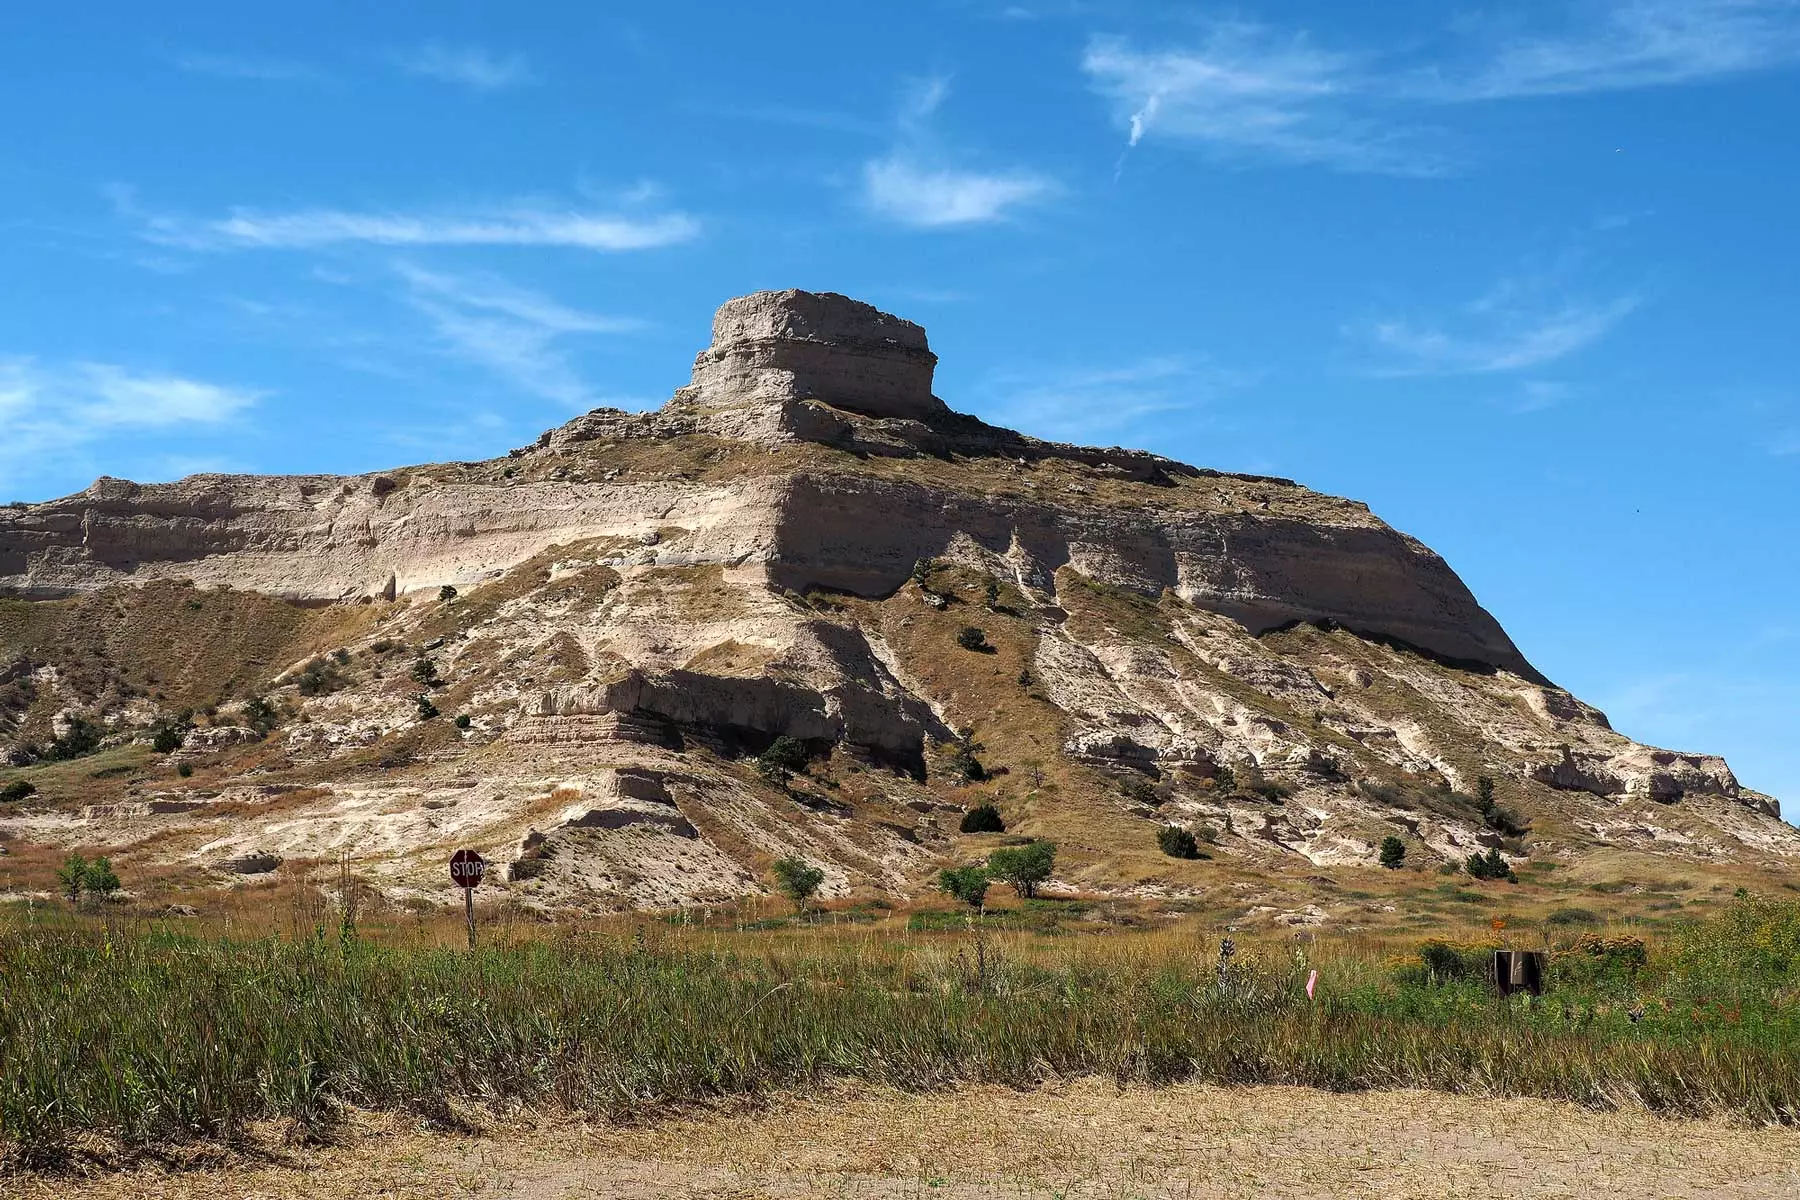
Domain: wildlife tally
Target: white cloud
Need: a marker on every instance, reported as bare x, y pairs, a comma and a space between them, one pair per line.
48, 412
522, 225
1084, 404
1499, 333
1640, 43
938, 197
513, 332
1253, 90
469, 66
1249, 91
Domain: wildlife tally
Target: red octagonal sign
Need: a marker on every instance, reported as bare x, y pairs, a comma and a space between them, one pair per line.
467, 868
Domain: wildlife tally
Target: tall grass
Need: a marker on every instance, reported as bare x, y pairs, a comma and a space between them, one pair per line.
147, 1036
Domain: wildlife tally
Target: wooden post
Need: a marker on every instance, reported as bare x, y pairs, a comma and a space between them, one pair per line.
469, 907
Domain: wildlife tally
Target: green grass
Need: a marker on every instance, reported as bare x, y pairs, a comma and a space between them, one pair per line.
146, 1036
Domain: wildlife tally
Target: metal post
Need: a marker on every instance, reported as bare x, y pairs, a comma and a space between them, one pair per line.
469, 906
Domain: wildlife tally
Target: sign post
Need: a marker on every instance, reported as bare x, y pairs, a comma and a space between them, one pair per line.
466, 870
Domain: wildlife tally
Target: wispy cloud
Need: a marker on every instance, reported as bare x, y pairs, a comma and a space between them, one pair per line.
1513, 328
1086, 403
468, 66
513, 332
1250, 91
916, 184
48, 411
1638, 44
264, 70
521, 225
1256, 91
924, 197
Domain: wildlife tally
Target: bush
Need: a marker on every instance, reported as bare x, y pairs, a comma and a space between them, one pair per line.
1573, 916
1393, 852
427, 710
319, 677
1491, 865
971, 638
167, 739
1022, 868
1139, 792
71, 876
983, 818
184, 769
1224, 778
260, 715
446, 593
967, 884
1177, 842
424, 670
784, 753
17, 790
1446, 962
463, 721
990, 591
81, 736
798, 879
100, 879
965, 764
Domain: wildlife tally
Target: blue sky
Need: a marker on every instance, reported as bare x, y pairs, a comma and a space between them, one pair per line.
1523, 277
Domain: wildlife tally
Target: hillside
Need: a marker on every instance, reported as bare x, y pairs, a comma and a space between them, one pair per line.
612, 623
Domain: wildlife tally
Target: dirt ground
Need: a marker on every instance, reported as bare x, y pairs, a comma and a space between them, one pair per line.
1087, 1140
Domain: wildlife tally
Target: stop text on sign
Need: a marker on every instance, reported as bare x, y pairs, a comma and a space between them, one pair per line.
466, 868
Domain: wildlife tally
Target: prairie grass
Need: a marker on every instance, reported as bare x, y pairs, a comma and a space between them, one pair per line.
144, 1035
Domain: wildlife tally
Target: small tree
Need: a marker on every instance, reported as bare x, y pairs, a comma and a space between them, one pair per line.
17, 790
983, 818
1492, 865
967, 884
446, 593
964, 763
971, 638
1022, 868
1393, 852
787, 753
1224, 778
798, 879
921, 571
463, 720
1177, 842
100, 879
260, 715
71, 876
424, 670
1484, 793
990, 591
427, 710
167, 739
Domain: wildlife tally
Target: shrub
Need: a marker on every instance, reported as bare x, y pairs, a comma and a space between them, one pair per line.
1224, 778
1208, 834
71, 876
1446, 962
427, 710
971, 638
1177, 842
921, 571
964, 763
319, 677
983, 818
17, 790
260, 715
967, 884
424, 670
990, 591
1393, 852
1491, 865
784, 753
184, 769
798, 879
1573, 916
1022, 868
81, 736
1140, 792
167, 740
463, 720
446, 593
1484, 792
99, 878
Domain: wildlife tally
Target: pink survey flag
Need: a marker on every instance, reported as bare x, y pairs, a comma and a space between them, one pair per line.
1312, 977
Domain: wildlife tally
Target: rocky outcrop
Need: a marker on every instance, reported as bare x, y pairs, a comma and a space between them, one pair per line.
770, 347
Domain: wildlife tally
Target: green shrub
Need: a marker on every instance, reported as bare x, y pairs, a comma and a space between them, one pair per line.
446, 593
1177, 842
72, 876
167, 740
1393, 852
964, 763
784, 754
983, 818
1224, 778
1574, 916
184, 769
260, 715
424, 671
1023, 868
100, 879
427, 710
798, 879
1492, 865
463, 720
17, 790
80, 736
971, 638
967, 884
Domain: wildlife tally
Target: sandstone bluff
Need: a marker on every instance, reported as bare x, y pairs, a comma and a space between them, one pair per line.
614, 621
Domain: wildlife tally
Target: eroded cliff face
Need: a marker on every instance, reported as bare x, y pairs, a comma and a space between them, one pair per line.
793, 547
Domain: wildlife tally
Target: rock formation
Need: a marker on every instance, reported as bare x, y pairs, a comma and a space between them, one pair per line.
787, 549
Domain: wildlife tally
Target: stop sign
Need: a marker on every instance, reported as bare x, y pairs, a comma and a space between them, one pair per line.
466, 868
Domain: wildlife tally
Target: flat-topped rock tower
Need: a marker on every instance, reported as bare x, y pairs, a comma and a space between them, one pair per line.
795, 345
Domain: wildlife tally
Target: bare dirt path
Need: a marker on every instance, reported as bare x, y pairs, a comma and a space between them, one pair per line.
1086, 1140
